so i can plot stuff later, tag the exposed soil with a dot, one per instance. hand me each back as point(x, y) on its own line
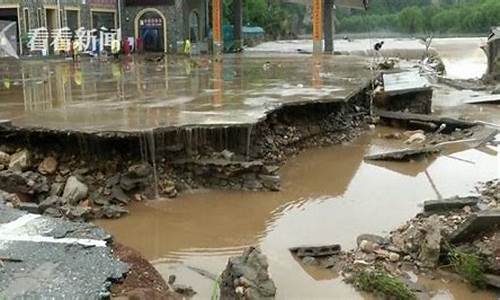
point(142, 281)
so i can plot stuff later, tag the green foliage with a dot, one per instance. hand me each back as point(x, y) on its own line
point(421, 16)
point(382, 284)
point(469, 266)
point(411, 19)
point(277, 18)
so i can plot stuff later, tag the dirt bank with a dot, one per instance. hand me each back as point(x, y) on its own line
point(142, 281)
point(76, 179)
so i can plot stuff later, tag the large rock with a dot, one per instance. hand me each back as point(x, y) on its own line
point(29, 207)
point(4, 158)
point(112, 211)
point(247, 277)
point(138, 176)
point(20, 161)
point(75, 191)
point(118, 195)
point(376, 239)
point(29, 182)
point(52, 201)
point(139, 171)
point(430, 249)
point(76, 212)
point(48, 166)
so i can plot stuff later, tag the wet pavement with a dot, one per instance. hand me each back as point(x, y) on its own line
point(140, 95)
point(45, 258)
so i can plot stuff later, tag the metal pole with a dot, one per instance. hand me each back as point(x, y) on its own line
point(238, 24)
point(328, 23)
point(120, 15)
point(59, 24)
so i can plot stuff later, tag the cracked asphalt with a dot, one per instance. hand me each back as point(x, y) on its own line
point(47, 258)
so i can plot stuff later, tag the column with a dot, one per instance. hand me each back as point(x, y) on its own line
point(317, 20)
point(328, 25)
point(238, 24)
point(217, 27)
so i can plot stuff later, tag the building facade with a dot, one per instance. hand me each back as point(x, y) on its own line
point(53, 14)
point(162, 25)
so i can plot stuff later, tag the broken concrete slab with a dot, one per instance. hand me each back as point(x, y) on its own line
point(433, 206)
point(404, 155)
point(451, 124)
point(475, 224)
point(405, 91)
point(404, 83)
point(316, 251)
point(483, 99)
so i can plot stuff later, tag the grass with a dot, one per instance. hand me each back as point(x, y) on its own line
point(383, 284)
point(468, 265)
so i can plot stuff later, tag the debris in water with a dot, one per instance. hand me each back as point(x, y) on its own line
point(432, 206)
point(316, 251)
point(404, 155)
point(247, 277)
point(451, 124)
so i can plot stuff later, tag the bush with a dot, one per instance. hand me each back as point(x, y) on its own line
point(382, 284)
point(419, 16)
point(469, 266)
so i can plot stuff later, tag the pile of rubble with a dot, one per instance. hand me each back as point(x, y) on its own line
point(69, 188)
point(466, 226)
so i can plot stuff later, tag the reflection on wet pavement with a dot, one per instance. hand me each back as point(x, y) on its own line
point(138, 95)
point(330, 196)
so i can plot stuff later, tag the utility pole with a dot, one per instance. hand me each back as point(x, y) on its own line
point(317, 14)
point(119, 8)
point(217, 26)
point(238, 23)
point(328, 24)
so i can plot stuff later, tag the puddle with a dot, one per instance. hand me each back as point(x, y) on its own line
point(329, 196)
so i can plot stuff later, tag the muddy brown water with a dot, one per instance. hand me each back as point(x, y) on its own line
point(329, 195)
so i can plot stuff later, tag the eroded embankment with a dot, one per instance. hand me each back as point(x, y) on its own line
point(83, 175)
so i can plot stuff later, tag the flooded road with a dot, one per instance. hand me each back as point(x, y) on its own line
point(138, 95)
point(329, 196)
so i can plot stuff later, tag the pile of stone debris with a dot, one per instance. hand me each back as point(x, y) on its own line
point(69, 188)
point(467, 227)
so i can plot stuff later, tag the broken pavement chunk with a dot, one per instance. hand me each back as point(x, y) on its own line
point(475, 224)
point(451, 124)
point(449, 204)
point(404, 155)
point(316, 251)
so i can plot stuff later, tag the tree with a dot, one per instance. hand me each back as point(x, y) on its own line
point(411, 20)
